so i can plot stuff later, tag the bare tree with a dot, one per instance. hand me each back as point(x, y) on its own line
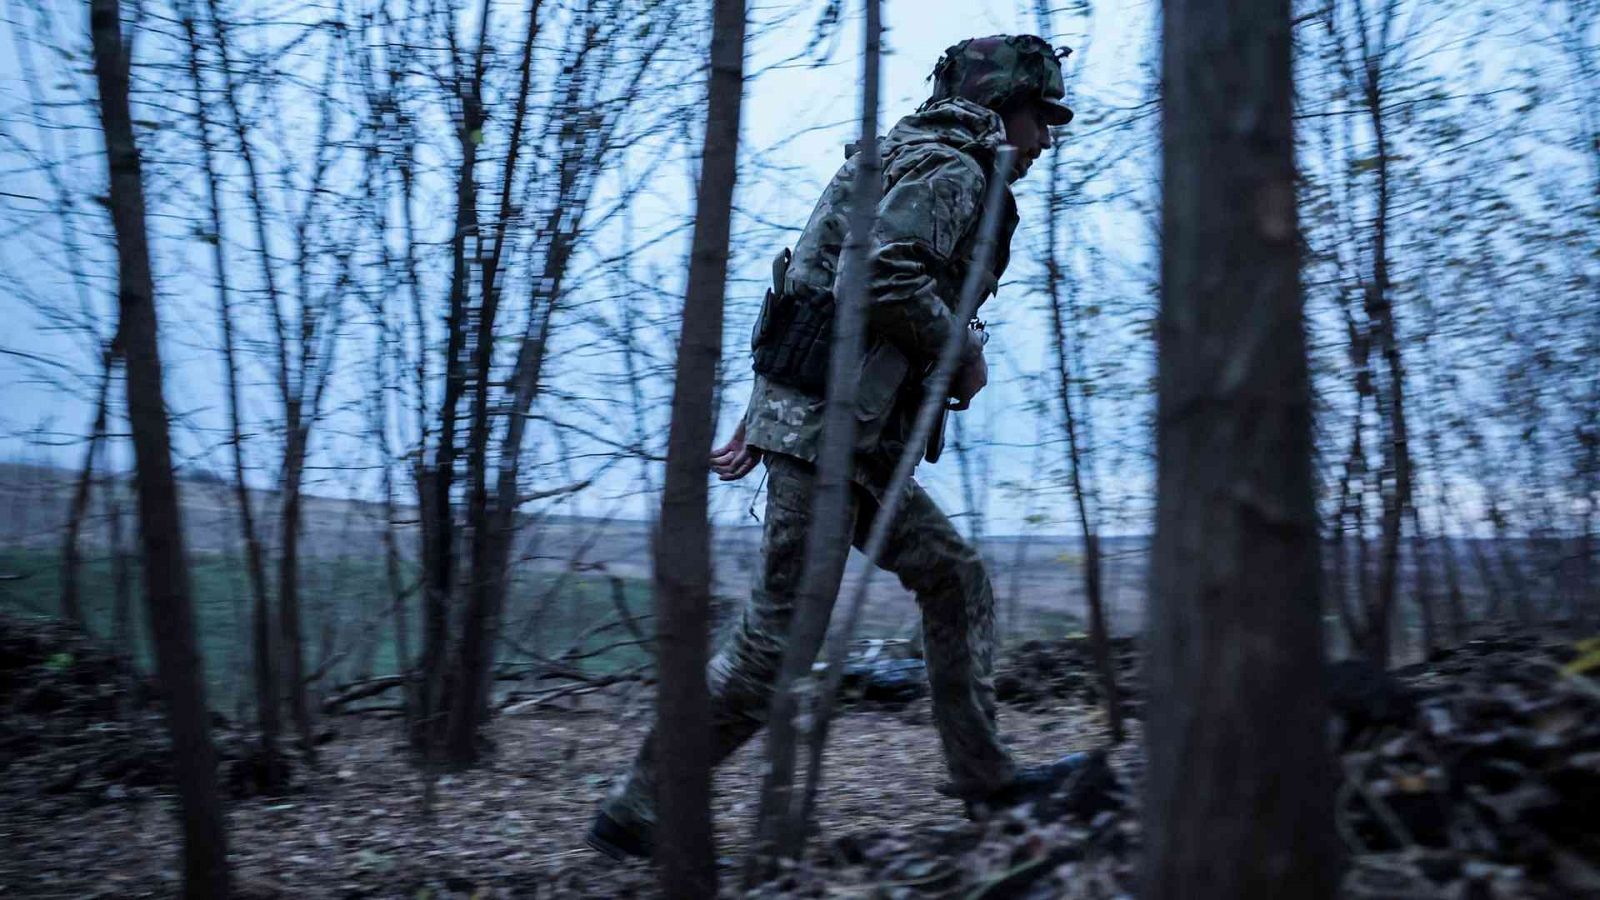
point(270, 773)
point(490, 532)
point(683, 535)
point(166, 573)
point(301, 349)
point(780, 819)
point(1077, 449)
point(71, 551)
point(1240, 785)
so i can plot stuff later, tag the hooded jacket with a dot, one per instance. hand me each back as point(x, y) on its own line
point(936, 165)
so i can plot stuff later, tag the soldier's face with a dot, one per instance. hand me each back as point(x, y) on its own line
point(1028, 130)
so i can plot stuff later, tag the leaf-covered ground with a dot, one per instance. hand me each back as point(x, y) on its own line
point(1481, 784)
point(354, 825)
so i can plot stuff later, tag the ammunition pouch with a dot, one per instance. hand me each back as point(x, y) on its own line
point(794, 334)
point(793, 342)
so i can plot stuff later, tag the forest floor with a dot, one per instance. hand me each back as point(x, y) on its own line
point(85, 811)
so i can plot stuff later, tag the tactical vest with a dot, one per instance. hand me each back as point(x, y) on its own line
point(793, 337)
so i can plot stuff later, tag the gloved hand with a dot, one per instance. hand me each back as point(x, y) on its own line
point(973, 375)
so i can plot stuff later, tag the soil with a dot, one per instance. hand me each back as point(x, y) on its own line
point(1474, 775)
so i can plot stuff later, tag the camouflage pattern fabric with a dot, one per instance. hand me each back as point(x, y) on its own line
point(935, 167)
point(996, 70)
point(957, 602)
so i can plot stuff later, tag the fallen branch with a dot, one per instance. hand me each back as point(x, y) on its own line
point(383, 708)
point(1380, 808)
point(361, 690)
point(516, 702)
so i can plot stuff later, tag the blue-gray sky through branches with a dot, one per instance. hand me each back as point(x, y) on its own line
point(57, 272)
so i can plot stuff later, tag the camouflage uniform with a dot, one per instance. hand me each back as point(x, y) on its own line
point(936, 165)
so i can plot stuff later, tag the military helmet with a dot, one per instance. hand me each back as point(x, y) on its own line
point(993, 71)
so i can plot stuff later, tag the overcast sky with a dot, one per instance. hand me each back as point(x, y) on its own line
point(797, 119)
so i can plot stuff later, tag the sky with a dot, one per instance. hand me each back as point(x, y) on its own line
point(797, 117)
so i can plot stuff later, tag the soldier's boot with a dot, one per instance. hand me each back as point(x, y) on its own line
point(617, 840)
point(1079, 781)
point(742, 672)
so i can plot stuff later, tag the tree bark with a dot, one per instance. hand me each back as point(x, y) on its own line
point(780, 821)
point(684, 849)
point(166, 576)
point(1077, 452)
point(438, 533)
point(71, 553)
point(485, 596)
point(263, 646)
point(1239, 789)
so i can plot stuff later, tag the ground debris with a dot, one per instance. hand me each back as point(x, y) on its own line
point(80, 721)
point(1490, 787)
point(1475, 775)
point(1036, 673)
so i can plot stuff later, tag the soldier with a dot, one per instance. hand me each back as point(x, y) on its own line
point(936, 164)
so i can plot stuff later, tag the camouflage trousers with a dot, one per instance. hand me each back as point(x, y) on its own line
point(957, 603)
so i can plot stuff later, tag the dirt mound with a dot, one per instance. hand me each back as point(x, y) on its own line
point(1036, 673)
point(77, 718)
point(1495, 779)
point(1476, 774)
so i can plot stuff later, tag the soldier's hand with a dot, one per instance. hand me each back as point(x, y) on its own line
point(972, 377)
point(735, 459)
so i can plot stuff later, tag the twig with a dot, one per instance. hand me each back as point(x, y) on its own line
point(573, 488)
point(361, 690)
point(1009, 883)
point(1397, 829)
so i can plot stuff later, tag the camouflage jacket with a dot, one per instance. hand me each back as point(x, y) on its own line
point(935, 173)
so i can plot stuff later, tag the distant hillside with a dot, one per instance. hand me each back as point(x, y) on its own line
point(1033, 576)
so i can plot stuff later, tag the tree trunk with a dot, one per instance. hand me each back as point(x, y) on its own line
point(780, 821)
point(439, 531)
point(582, 141)
point(485, 595)
point(684, 849)
point(1395, 490)
point(71, 558)
point(1372, 641)
point(166, 576)
point(293, 647)
point(122, 636)
point(1099, 638)
point(1339, 579)
point(1239, 792)
point(263, 646)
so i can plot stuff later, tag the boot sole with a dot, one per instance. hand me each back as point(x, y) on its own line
point(616, 852)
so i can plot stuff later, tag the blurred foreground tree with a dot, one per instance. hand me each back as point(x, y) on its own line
point(1240, 790)
point(684, 852)
point(782, 815)
point(166, 574)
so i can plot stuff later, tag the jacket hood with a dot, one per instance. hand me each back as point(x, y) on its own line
point(957, 122)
